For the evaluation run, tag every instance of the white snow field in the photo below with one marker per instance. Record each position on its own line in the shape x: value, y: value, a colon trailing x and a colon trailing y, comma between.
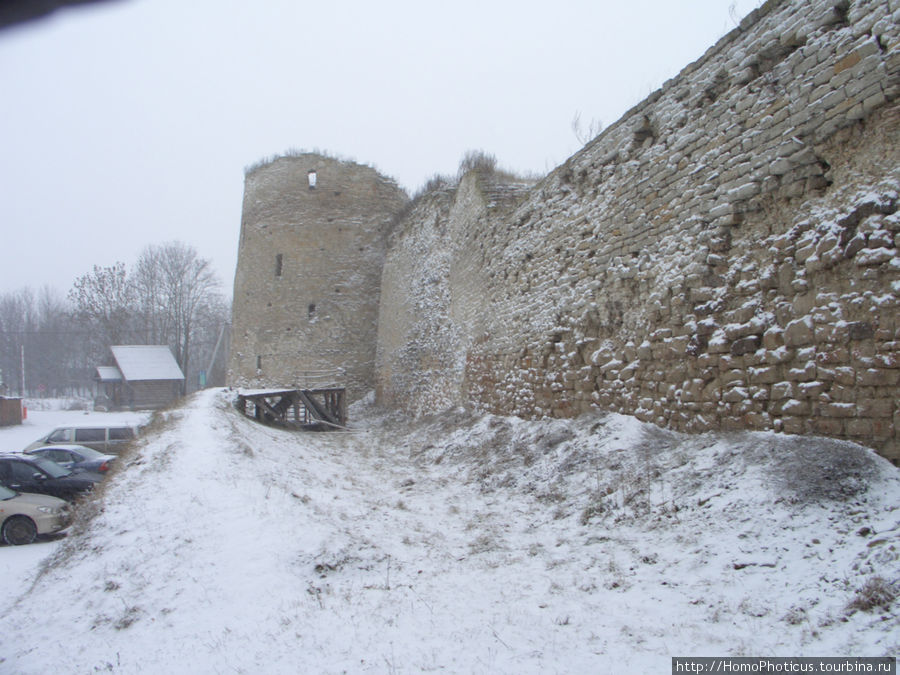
x: 460, y: 543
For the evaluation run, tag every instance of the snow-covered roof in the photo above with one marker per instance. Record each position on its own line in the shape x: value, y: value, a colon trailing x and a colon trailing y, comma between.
x: 146, y: 362
x: 108, y: 374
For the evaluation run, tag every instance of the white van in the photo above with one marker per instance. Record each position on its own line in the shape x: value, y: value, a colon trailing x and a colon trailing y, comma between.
x: 108, y: 440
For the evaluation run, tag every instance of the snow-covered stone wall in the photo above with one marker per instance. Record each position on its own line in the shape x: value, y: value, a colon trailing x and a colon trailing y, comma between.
x: 724, y: 256
x: 418, y: 346
x: 433, y: 291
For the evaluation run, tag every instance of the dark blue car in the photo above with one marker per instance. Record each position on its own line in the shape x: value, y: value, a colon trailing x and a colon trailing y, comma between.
x: 24, y: 473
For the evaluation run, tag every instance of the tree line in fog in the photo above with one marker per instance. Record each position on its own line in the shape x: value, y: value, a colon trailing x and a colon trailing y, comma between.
x: 51, y: 344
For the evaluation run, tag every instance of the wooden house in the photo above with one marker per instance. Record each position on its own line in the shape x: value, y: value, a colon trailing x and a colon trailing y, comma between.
x: 144, y: 377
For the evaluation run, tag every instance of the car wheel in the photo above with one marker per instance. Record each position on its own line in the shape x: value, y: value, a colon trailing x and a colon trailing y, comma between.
x: 19, y: 530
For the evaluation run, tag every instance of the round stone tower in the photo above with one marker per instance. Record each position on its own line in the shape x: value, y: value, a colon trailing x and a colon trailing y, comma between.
x: 307, y: 285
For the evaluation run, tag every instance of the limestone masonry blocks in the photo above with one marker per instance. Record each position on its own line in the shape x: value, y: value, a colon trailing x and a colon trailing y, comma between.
x: 722, y: 257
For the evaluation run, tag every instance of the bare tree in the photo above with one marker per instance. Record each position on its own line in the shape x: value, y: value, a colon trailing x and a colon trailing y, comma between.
x: 50, y: 344
x: 54, y: 349
x: 180, y: 288
x: 104, y: 301
x: 586, y: 135
x: 154, y: 317
x: 170, y: 298
x: 16, y: 322
x: 41, y: 349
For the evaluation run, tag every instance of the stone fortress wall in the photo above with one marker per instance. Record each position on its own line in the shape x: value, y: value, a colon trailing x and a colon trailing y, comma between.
x: 308, y: 275
x: 722, y: 257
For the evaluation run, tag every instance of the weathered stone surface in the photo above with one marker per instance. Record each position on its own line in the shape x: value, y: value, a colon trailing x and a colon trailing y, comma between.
x: 837, y: 409
x: 860, y: 330
x: 745, y: 345
x: 782, y: 390
x: 878, y: 377
x: 735, y: 268
x: 309, y: 267
x: 765, y: 375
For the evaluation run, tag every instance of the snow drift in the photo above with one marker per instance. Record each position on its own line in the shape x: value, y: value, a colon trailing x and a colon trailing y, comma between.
x: 464, y: 543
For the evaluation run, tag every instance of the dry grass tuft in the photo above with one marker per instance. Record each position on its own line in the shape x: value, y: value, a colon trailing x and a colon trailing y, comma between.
x: 876, y: 593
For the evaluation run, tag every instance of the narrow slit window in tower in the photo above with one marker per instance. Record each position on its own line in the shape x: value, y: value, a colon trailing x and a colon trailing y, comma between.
x: 311, y: 310
x: 278, y: 263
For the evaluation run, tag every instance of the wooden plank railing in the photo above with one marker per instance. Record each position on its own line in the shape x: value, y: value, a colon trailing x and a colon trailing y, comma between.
x: 308, y: 409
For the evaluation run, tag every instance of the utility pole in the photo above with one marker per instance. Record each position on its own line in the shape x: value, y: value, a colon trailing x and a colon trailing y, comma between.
x: 22, y: 374
x: 212, y: 360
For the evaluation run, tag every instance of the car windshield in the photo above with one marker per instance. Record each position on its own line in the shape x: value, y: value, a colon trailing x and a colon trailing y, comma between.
x: 6, y: 493
x: 80, y: 450
x: 87, y: 453
x: 54, y: 469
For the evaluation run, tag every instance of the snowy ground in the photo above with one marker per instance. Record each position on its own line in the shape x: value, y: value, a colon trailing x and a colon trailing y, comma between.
x: 459, y: 543
x: 43, y: 416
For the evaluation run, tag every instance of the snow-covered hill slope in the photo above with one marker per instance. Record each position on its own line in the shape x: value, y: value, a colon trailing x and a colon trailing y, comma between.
x: 464, y: 543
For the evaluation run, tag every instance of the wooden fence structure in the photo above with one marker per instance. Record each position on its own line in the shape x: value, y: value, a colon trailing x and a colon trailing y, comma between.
x: 306, y: 409
x: 11, y: 411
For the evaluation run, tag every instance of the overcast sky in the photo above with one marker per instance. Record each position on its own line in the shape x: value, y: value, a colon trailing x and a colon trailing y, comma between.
x: 131, y: 123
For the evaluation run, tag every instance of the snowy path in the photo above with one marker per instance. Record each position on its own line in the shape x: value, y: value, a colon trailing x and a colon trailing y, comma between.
x: 449, y: 546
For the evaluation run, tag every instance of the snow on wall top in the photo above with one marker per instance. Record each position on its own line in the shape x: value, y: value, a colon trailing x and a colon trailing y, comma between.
x: 146, y: 362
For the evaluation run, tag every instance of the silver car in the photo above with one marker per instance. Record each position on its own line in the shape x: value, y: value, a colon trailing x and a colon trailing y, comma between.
x: 23, y: 516
x: 76, y: 457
